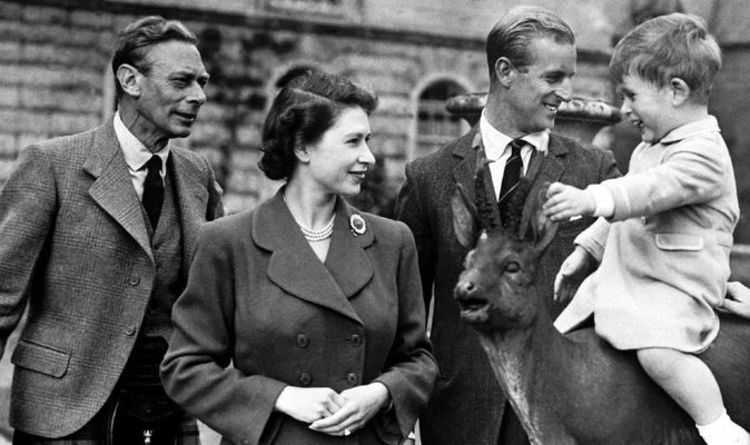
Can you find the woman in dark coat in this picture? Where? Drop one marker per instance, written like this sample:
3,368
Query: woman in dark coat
316,305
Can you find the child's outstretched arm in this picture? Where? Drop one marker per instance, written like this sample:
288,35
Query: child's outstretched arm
565,202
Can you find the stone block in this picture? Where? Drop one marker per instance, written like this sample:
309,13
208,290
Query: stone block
6,167
249,136
96,20
52,99
61,78
209,133
13,31
62,123
45,14
8,147
388,145
11,11
9,96
50,54
10,51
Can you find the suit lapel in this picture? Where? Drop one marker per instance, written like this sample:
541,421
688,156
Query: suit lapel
466,154
113,189
192,198
543,170
295,268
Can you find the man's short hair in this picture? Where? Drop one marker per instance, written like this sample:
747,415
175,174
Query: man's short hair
673,45
510,37
134,40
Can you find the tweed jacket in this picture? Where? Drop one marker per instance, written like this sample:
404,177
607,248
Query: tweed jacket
259,297
75,247
665,252
467,405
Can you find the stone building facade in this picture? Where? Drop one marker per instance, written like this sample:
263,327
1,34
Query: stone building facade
55,77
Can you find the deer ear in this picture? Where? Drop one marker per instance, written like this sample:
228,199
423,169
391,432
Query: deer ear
544,229
465,222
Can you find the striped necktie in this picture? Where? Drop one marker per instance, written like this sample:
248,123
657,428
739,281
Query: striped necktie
511,175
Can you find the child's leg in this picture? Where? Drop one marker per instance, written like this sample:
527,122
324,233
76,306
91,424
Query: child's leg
693,386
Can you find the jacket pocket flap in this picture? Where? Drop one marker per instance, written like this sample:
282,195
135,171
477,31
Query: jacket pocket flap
40,358
678,241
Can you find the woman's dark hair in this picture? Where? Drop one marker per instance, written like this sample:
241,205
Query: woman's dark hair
302,112
133,42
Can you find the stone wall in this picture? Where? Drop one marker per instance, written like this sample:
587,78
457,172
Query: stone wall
55,79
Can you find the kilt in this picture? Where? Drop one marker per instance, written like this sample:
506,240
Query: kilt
95,433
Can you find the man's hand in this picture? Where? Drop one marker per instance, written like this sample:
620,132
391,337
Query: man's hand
565,202
360,405
738,299
576,267
308,404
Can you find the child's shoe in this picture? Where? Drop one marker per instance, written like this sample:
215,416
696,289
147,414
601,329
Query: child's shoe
723,431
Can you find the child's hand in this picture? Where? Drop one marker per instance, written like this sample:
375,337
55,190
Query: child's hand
565,202
574,269
738,299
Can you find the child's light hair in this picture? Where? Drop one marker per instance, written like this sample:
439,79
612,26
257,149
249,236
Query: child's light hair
673,45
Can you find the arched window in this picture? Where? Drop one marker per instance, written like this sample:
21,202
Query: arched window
435,125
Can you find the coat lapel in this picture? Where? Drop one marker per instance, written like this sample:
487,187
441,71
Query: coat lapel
295,268
113,189
543,170
347,260
466,154
192,198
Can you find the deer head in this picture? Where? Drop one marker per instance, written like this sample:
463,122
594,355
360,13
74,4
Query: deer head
496,289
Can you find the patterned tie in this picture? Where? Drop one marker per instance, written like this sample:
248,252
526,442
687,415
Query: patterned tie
153,190
513,169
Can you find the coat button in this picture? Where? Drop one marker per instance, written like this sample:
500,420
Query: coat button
356,340
302,341
351,378
305,379
134,280
130,330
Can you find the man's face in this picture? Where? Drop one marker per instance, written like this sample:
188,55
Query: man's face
172,90
537,90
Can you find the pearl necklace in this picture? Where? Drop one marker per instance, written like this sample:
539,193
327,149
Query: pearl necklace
311,235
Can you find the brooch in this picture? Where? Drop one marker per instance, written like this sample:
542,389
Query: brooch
357,225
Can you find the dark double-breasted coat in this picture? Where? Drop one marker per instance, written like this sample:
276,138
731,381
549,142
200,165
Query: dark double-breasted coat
467,405
74,244
259,297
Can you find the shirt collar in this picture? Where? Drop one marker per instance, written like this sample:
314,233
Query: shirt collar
705,125
136,154
495,142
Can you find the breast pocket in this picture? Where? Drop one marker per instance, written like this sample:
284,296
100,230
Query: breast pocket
679,241
40,358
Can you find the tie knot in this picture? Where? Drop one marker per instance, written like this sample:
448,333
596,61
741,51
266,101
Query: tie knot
154,164
515,146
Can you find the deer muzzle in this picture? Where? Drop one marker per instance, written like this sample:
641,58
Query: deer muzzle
474,305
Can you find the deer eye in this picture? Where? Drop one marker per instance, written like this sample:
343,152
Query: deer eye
512,266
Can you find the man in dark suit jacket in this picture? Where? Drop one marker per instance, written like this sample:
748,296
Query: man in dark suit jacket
97,232
532,57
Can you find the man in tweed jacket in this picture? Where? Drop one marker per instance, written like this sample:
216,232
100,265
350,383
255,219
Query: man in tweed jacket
531,56
98,274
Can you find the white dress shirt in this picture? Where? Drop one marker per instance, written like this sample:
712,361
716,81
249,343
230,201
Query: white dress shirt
497,150
137,155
